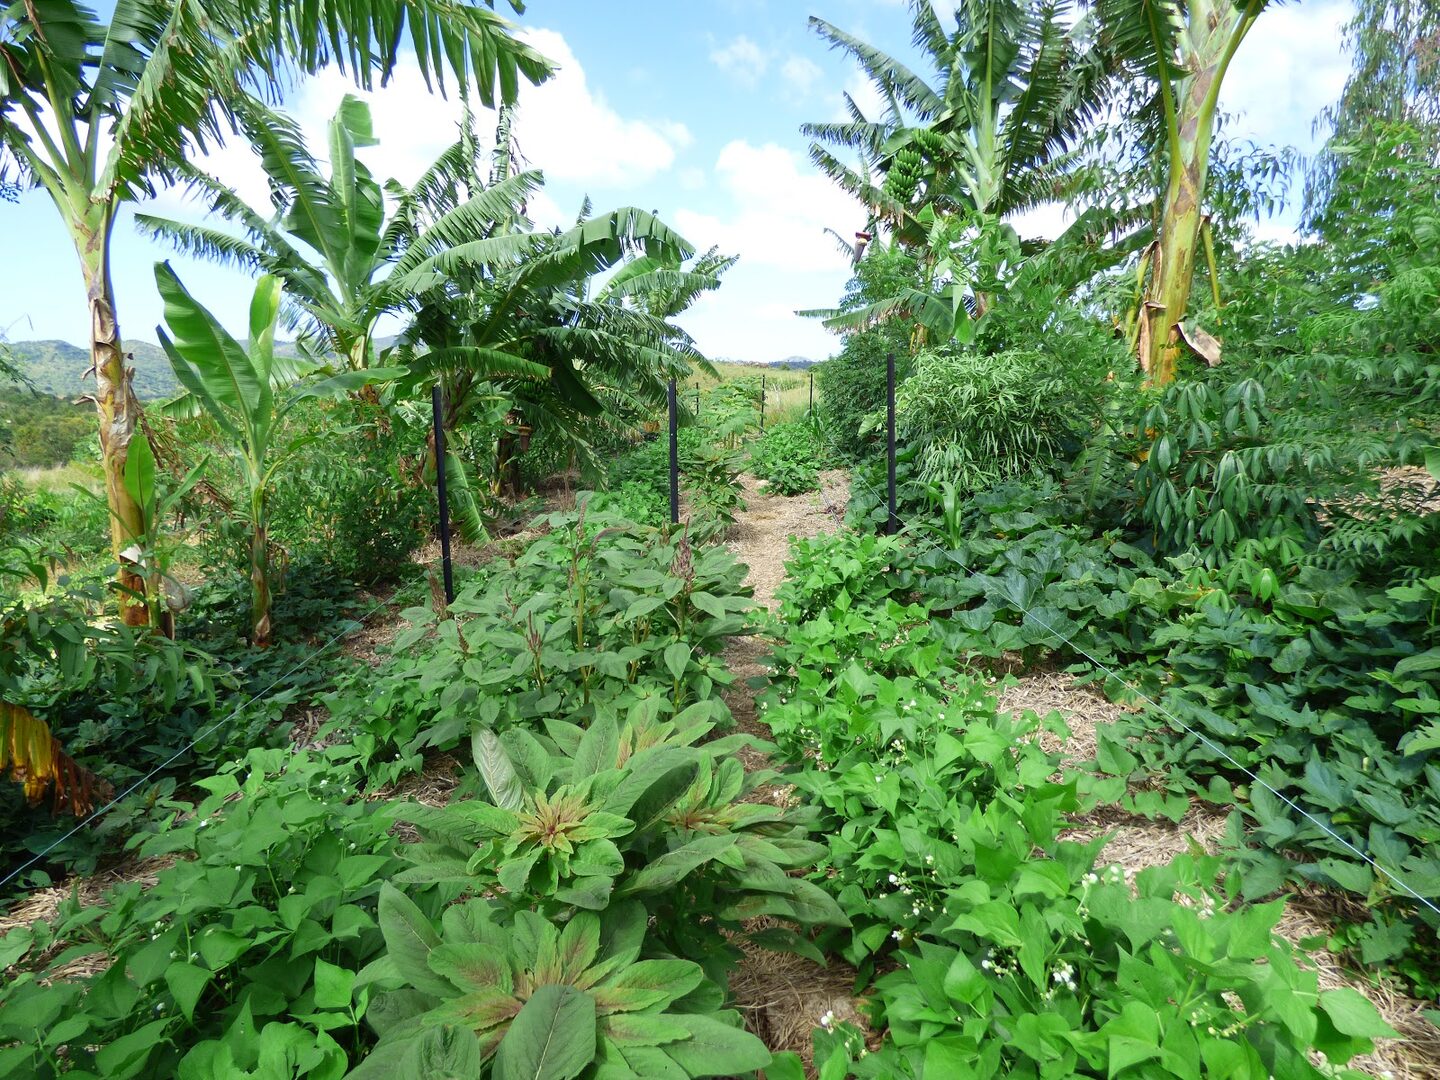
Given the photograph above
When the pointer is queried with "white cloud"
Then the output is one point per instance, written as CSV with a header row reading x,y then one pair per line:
x,y
1287,69
693,179
742,59
779,211
573,134
767,206
801,74
1047,221
563,127
865,94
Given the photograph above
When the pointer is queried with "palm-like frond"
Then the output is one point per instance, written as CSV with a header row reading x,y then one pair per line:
x,y
203,242
1013,88
883,68
472,218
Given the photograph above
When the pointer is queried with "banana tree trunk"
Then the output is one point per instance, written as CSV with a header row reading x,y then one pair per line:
x,y
1174,268
260,630
118,409
1213,32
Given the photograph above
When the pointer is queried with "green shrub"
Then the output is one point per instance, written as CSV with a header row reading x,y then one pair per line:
x,y
352,499
709,479
851,386
788,458
633,500
598,614
242,955
975,420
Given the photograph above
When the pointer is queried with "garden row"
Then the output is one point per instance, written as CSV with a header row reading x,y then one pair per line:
x,y
578,904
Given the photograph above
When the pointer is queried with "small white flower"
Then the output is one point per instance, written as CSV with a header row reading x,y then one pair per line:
x,y
893,880
929,859
203,823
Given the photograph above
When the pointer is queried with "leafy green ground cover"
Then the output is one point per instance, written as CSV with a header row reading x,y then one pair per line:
x,y
595,869
994,948
602,814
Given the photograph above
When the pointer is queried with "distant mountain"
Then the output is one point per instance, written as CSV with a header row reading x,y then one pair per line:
x,y
792,362
56,367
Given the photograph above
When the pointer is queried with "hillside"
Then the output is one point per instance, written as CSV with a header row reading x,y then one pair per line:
x,y
56,367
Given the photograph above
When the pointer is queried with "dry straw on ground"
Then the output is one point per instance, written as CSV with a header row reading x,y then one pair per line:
x,y
781,996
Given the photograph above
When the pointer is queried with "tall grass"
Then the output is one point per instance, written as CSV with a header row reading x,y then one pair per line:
x,y
59,478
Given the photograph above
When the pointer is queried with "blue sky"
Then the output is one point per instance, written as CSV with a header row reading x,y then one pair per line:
x,y
688,109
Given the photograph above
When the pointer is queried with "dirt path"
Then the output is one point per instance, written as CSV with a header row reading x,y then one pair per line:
x,y
761,540
780,995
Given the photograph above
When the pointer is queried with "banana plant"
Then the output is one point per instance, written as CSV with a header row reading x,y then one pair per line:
x,y
163,594
236,386
987,132
98,111
499,311
1184,50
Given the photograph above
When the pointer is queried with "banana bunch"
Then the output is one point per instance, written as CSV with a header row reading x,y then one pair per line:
x,y
906,170
930,142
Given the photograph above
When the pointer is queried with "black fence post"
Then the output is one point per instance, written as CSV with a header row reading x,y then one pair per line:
x,y
697,399
892,524
437,404
674,456
762,403
811,410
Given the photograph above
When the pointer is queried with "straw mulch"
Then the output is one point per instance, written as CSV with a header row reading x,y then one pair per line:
x,y
433,785
761,536
44,905
781,996
1084,708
